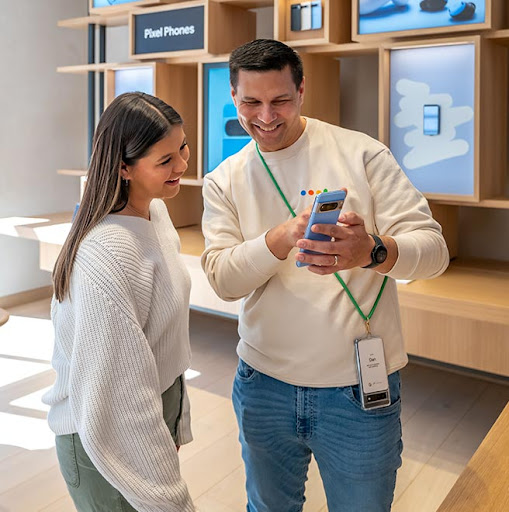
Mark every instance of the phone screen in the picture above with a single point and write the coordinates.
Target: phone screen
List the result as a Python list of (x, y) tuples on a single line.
[(431, 120)]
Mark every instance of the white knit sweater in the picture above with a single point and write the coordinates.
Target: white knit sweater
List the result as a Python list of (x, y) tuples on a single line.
[(121, 340)]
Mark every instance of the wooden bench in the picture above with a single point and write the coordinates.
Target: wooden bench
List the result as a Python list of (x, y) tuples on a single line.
[(483, 486)]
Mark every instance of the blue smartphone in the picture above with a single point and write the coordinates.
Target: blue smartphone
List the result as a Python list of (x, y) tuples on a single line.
[(431, 120), (326, 210), (316, 14)]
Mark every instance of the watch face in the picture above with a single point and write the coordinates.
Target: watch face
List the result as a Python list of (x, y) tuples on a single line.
[(381, 255)]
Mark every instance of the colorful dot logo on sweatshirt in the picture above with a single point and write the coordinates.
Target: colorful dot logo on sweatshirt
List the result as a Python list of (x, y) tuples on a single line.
[(312, 192)]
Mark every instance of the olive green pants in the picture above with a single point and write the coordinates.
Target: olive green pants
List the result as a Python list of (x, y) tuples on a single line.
[(90, 491)]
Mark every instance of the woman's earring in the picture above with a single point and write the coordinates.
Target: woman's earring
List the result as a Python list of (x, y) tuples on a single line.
[(125, 182)]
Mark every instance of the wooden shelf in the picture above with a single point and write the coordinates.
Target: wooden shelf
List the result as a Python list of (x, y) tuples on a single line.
[(85, 68), (84, 22), (53, 229), (49, 228), (500, 36), (476, 289), (72, 172), (501, 203), (345, 49)]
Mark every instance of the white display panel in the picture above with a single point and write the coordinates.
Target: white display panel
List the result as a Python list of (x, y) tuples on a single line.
[(134, 79), (432, 91)]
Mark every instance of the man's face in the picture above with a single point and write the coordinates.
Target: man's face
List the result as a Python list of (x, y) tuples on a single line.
[(268, 106)]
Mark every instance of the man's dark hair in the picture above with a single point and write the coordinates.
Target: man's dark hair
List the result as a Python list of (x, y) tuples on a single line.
[(265, 55)]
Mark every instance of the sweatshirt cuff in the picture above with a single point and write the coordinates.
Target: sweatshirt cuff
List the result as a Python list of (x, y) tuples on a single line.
[(408, 256), (260, 258)]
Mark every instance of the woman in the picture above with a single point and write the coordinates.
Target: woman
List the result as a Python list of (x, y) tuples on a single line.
[(119, 407)]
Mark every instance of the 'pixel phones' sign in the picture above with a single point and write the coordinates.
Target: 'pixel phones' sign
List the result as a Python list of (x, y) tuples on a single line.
[(169, 31)]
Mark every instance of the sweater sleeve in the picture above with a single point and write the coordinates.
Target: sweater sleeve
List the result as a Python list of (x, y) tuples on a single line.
[(234, 267), (115, 400), (402, 212)]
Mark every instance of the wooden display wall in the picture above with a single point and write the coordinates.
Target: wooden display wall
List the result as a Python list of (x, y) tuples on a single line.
[(462, 317)]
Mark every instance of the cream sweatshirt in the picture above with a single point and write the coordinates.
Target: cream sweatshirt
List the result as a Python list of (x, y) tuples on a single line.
[(121, 340), (294, 325)]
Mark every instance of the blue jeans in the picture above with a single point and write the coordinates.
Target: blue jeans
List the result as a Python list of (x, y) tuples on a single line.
[(358, 452)]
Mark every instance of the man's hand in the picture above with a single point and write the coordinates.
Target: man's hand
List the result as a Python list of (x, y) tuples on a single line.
[(282, 239), (350, 247)]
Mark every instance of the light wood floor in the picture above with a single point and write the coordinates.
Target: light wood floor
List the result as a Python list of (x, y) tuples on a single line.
[(445, 417)]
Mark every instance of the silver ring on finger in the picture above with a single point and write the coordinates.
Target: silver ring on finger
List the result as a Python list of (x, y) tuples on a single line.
[(335, 260)]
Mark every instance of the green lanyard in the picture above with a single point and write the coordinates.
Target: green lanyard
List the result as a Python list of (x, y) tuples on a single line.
[(338, 277)]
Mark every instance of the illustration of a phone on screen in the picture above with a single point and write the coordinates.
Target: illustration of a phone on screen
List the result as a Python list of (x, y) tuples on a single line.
[(431, 120)]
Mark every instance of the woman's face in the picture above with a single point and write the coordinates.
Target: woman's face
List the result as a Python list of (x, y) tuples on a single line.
[(158, 173)]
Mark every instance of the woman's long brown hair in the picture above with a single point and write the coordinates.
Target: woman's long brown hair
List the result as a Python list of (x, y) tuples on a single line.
[(128, 128)]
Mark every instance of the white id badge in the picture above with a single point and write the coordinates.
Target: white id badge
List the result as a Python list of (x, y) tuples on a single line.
[(373, 382)]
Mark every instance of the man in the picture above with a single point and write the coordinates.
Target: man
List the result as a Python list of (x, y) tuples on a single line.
[(296, 390)]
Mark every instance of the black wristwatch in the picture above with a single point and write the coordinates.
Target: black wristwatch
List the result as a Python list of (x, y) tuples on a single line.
[(378, 254)]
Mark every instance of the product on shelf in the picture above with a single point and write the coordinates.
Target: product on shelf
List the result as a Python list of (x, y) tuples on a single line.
[(306, 16)]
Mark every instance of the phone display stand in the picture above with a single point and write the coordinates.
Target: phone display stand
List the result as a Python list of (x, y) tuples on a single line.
[(306, 16)]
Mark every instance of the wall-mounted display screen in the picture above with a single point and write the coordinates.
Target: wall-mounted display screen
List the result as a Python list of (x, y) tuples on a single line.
[(379, 16), (134, 79), (223, 135), (432, 116), (107, 3)]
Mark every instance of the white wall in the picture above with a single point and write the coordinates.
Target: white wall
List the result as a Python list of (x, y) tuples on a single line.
[(42, 125)]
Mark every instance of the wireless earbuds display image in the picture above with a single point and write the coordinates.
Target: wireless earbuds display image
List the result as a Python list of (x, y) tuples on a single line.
[(384, 16), (458, 10)]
